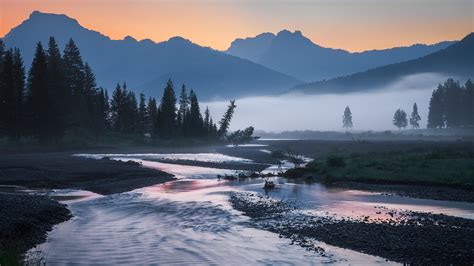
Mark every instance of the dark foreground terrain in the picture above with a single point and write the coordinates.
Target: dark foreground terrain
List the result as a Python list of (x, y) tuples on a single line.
[(62, 170), (25, 221), (27, 218), (407, 237)]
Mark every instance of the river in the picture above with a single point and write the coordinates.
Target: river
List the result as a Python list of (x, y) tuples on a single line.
[(190, 220)]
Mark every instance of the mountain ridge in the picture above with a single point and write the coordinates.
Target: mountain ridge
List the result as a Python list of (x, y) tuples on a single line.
[(298, 56), (146, 65), (456, 60)]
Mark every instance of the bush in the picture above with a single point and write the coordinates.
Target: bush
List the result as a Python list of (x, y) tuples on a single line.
[(335, 161)]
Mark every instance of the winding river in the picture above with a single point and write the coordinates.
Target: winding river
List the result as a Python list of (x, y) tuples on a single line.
[(190, 221)]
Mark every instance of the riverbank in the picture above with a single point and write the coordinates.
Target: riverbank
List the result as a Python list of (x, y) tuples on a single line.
[(25, 221), (26, 218), (431, 170), (63, 170), (397, 235)]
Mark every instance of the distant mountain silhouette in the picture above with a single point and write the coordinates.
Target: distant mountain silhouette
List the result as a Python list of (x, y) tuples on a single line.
[(146, 65), (297, 56), (457, 60)]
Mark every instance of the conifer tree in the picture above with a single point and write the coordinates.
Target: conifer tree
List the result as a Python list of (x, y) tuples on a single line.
[(183, 108), (436, 110), (117, 109), (347, 118), (468, 109), (18, 126), (207, 121), (74, 73), (3, 126), (195, 118), (224, 123), (131, 113), (400, 119), (152, 111), (38, 98), (8, 99), (452, 102), (142, 115), (166, 116), (57, 90), (415, 117)]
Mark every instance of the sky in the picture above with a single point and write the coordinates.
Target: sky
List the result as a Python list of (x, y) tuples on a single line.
[(354, 25)]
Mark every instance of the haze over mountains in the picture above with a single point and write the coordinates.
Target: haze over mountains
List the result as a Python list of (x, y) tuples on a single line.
[(145, 65), (456, 61), (297, 56)]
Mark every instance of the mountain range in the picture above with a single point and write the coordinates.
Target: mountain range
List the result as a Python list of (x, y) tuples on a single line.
[(263, 65), (295, 55), (456, 60), (146, 65)]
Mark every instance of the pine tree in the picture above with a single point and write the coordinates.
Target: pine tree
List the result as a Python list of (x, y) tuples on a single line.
[(347, 118), (166, 116), (38, 98), (436, 109), (3, 126), (117, 110), (9, 102), (57, 89), (195, 118), (400, 119), (74, 73), (415, 117), (143, 117), (224, 123), (468, 104), (183, 109), (131, 113), (452, 99), (102, 111), (90, 99), (152, 110), (207, 122), (19, 95)]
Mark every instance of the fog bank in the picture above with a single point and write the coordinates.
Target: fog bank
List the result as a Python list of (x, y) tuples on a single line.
[(372, 110)]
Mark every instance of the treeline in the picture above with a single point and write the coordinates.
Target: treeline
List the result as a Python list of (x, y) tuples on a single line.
[(452, 105), (60, 95)]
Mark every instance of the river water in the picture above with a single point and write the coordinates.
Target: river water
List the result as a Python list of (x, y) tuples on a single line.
[(190, 221)]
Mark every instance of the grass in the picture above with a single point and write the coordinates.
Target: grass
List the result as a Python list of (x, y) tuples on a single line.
[(436, 167)]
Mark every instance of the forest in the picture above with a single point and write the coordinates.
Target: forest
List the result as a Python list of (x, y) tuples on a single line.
[(59, 98), (452, 105)]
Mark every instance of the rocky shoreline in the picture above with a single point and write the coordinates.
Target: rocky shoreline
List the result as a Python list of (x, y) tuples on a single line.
[(25, 221), (406, 237)]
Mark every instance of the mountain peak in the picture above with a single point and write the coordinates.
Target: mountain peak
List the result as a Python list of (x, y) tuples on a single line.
[(130, 39), (179, 40), (37, 16), (287, 33)]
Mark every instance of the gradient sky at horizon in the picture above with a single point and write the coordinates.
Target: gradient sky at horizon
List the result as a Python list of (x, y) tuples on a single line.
[(354, 25)]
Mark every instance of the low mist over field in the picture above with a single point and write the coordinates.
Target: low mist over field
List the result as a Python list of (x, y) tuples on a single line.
[(371, 110)]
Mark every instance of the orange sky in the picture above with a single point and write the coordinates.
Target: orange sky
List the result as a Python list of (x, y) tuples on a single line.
[(353, 25)]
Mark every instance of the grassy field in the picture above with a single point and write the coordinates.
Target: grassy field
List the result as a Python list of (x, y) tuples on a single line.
[(453, 167)]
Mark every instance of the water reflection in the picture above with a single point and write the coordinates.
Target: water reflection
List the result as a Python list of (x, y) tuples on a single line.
[(190, 221)]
